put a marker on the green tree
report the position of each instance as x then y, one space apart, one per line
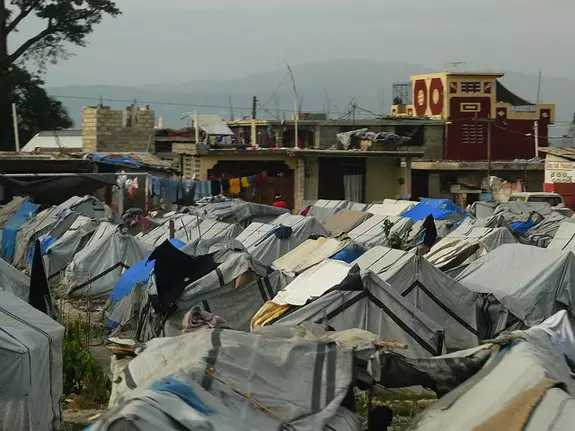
65 22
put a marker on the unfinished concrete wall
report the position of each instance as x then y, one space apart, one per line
383 179
433 138
109 130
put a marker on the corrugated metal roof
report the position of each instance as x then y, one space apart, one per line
61 139
214 125
568 153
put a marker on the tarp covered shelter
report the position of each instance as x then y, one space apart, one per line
60 253
335 295
463 246
371 232
25 212
308 254
183 225
322 208
224 377
345 221
522 385
531 282
14 281
237 211
97 268
543 232
268 242
31 367
440 209
391 207
437 295
8 210
229 283
564 239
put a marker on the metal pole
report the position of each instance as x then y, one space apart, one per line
16 132
489 154
196 127
536 140
172 229
254 132
147 205
296 105
539 87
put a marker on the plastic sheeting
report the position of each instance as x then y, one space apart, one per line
26 211
322 209
440 209
31 367
520 277
97 268
564 238
391 207
238 211
261 241
345 221
14 281
437 295
308 254
371 232
369 303
301 381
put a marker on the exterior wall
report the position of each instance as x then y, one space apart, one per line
383 179
311 179
434 138
103 130
559 170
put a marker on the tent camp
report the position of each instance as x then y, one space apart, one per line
26 211
237 211
14 281
8 210
308 254
522 385
345 221
228 283
336 294
97 268
391 207
268 242
524 287
322 209
437 295
60 253
440 209
462 247
183 225
301 376
371 232
31 367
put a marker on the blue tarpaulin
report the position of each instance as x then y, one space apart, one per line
349 254
522 226
440 209
117 160
45 243
26 211
138 273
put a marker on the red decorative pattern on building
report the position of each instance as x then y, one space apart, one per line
436 96
420 97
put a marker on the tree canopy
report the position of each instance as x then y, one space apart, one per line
63 23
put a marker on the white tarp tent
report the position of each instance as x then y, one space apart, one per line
322 209
308 254
183 226
371 232
565 237
437 295
391 207
30 367
14 281
531 282
345 221
97 268
268 242
237 211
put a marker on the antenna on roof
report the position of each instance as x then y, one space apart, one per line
455 64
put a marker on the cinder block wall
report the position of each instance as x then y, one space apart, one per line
105 130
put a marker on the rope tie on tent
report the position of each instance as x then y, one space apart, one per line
251 399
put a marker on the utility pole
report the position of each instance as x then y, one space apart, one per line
16 131
254 114
539 87
296 106
536 138
489 154
196 127
231 109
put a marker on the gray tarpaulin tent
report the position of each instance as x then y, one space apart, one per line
390 207
463 247
437 295
345 221
238 211
308 254
361 301
97 268
234 290
183 226
543 232
30 367
288 380
565 237
60 253
531 282
14 281
526 385
268 242
322 208
371 232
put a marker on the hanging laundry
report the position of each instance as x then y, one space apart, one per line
245 183
252 180
259 178
169 189
225 185
155 187
133 188
216 187
235 187
203 189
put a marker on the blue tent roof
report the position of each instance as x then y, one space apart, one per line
26 211
442 204
440 209
138 273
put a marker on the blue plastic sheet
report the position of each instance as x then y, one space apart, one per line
440 209
441 204
182 391
522 226
117 160
138 273
45 244
349 254
26 211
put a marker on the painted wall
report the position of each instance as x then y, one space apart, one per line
383 179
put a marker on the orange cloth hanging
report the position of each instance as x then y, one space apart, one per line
235 188
245 183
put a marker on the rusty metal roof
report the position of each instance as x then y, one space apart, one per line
565 152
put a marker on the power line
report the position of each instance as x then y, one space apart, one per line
263 105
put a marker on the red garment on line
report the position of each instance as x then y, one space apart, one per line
280 204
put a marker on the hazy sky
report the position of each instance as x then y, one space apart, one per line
158 41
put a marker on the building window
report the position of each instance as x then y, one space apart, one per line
470 87
472 134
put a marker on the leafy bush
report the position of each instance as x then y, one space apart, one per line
82 374
395 240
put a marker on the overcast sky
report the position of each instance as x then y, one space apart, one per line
159 41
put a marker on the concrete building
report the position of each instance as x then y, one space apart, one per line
560 173
488 130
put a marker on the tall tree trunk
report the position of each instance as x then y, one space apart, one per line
6 128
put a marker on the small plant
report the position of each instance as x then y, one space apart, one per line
83 376
395 240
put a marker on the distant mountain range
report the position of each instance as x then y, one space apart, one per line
328 86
